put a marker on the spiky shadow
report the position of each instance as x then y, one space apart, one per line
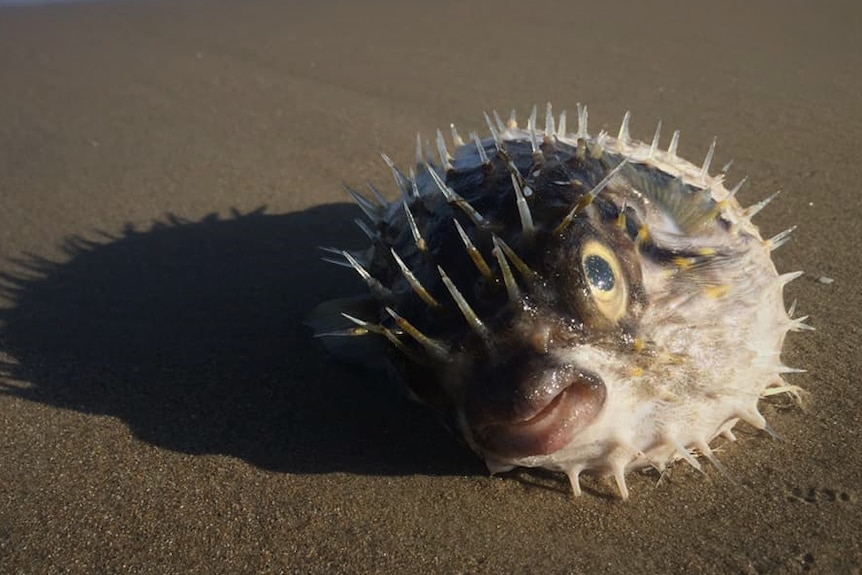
190 332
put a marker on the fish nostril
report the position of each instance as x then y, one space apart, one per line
540 339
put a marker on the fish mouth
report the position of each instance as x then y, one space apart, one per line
548 422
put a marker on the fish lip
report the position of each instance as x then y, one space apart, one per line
549 427
545 412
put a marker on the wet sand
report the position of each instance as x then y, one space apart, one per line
166 173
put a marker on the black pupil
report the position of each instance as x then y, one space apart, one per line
599 273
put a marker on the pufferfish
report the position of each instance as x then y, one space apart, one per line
582 304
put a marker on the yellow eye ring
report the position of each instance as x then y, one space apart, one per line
604 278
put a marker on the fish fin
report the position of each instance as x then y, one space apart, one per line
342 338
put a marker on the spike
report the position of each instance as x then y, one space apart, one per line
709 454
523 209
623 137
434 348
654 147
363 325
400 180
674 142
792 310
799 324
379 329
480 148
508 278
429 154
574 480
704 170
780 239
588 198
737 187
753 418
373 284
369 208
456 139
728 435
753 210
355 331
443 152
787 369
523 269
596 148
663 468
785 279
365 229
550 130
472 319
772 433
531 127
501 127
802 318
414 283
510 165
378 196
454 198
685 454
420 155
581 151
340 262
475 254
447 192
602 138
512 124
414 186
619 471
583 117
491 128
414 229
726 168
337 252
561 125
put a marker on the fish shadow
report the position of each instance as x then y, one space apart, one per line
191 333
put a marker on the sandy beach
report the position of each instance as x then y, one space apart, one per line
167 171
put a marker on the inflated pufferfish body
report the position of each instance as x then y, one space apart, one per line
570 302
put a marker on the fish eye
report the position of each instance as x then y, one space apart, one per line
599 273
605 280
